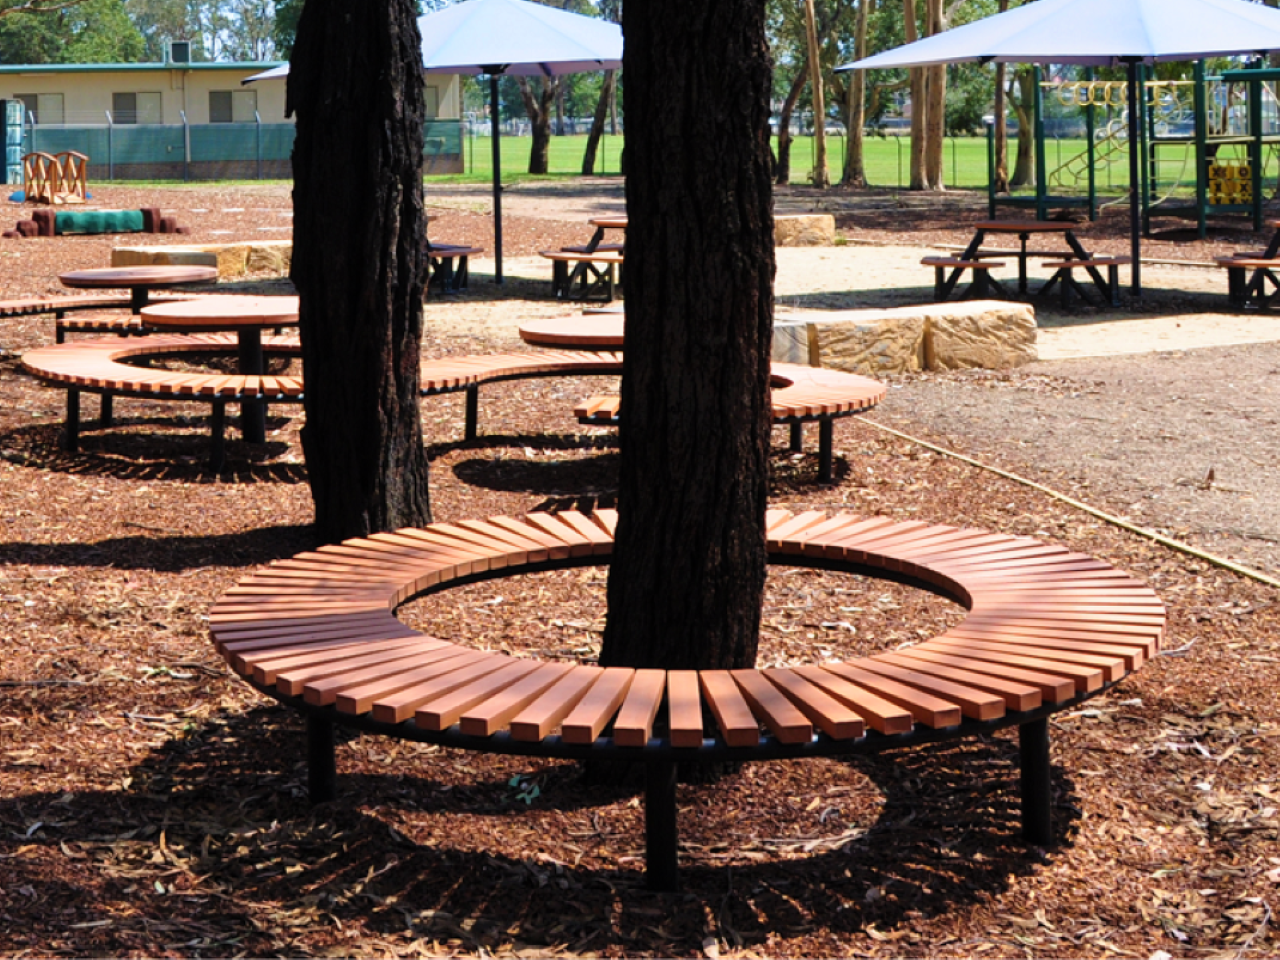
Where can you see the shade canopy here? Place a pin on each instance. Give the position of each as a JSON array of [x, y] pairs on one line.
[[1100, 33], [1097, 33], [511, 36], [514, 37]]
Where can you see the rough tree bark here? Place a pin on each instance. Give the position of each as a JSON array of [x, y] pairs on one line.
[[359, 261], [597, 123], [538, 107], [688, 572]]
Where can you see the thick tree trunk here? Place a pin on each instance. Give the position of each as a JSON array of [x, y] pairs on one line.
[[688, 572], [597, 124], [538, 109], [782, 169], [1001, 132], [936, 93], [359, 261], [1024, 171]]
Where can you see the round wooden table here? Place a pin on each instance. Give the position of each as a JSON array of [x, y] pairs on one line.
[[139, 281], [600, 331], [247, 317]]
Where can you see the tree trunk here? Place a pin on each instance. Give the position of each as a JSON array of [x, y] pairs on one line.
[[820, 177], [597, 124], [538, 109], [359, 261], [936, 93], [855, 169], [1024, 171], [688, 572], [1001, 132], [919, 103], [782, 169]]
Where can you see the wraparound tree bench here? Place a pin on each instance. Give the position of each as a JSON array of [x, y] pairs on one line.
[[97, 366], [1047, 628]]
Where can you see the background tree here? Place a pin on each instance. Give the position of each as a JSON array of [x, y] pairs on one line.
[[688, 571], [87, 31], [820, 176], [609, 10], [359, 260]]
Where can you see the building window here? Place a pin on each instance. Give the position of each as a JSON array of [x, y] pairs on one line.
[[135, 108], [44, 108], [233, 106], [433, 101]]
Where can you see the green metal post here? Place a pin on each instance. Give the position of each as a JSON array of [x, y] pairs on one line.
[[1201, 101], [1042, 167]]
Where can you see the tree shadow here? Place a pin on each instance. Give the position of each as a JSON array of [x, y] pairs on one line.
[[212, 832], [159, 454], [167, 554]]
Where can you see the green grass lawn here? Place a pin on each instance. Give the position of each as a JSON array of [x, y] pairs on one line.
[[888, 162]]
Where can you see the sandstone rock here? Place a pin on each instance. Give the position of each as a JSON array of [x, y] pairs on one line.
[[163, 256], [991, 334], [879, 342], [791, 341], [804, 230], [272, 256]]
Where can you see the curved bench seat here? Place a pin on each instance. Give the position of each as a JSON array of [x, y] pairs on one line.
[[98, 366], [1047, 628], [800, 394]]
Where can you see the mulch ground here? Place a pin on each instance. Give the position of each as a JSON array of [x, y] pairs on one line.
[[152, 805]]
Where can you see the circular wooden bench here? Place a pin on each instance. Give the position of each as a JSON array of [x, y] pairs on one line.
[[1046, 629], [98, 366]]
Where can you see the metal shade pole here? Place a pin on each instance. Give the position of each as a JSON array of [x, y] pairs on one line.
[[494, 72], [1135, 199]]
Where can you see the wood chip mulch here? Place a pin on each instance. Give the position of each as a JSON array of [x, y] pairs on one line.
[[153, 805]]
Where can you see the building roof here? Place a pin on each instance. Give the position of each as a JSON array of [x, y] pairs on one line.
[[38, 68]]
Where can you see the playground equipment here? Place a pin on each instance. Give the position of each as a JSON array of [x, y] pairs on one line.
[[1205, 144], [55, 178]]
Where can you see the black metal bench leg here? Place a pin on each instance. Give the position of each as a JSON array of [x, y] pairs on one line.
[[71, 432], [826, 435], [322, 766], [105, 414], [662, 868], [218, 437], [981, 287], [797, 438], [473, 411], [560, 279], [1033, 755]]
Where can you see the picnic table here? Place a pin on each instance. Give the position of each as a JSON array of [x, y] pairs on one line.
[[600, 331], [1024, 230], [247, 317], [139, 281]]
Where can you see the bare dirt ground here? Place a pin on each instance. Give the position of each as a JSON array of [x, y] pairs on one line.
[[151, 805]]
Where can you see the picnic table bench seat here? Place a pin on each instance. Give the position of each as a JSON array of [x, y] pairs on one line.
[[1251, 280], [1108, 286], [98, 366], [584, 276], [61, 306], [1047, 628], [948, 271], [450, 266], [798, 395]]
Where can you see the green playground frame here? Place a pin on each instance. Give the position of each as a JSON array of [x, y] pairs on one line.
[[1233, 113]]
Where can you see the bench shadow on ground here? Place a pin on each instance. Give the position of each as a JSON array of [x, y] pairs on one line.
[[212, 831], [153, 550], [163, 448], [595, 476]]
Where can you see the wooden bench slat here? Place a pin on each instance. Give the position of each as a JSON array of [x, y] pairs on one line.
[[536, 721], [837, 720], [878, 713], [444, 712], [1112, 667], [977, 704], [783, 718], [1132, 650], [264, 666], [592, 713], [736, 722], [926, 708], [1017, 696], [633, 727], [684, 708], [1058, 680], [404, 691], [294, 680], [489, 716]]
